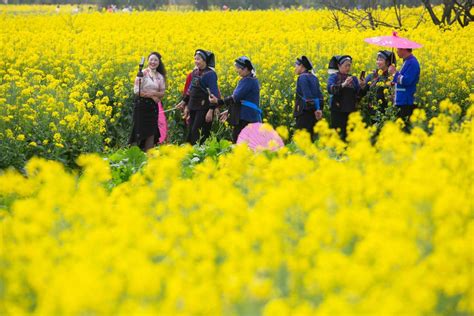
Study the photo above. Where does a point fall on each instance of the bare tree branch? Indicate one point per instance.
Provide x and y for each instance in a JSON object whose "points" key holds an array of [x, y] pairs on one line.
{"points": [[429, 8], [453, 10]]}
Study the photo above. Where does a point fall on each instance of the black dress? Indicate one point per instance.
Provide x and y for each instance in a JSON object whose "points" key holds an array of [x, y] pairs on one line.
{"points": [[343, 101], [145, 121]]}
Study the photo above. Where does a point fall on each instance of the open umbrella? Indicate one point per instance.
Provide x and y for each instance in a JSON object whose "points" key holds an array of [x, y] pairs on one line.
{"points": [[260, 136], [393, 41]]}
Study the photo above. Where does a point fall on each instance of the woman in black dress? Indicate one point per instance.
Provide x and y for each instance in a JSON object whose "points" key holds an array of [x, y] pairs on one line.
{"points": [[149, 91]]}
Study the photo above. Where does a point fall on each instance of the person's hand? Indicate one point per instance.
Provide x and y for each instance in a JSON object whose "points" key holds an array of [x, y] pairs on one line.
{"points": [[148, 94], [392, 70], [223, 117], [318, 114], [181, 105], [362, 83], [347, 82], [209, 115], [186, 113], [213, 99], [156, 99]]}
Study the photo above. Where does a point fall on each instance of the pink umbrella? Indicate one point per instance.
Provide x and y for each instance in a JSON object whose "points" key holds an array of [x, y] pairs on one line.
{"points": [[162, 123], [260, 136], [392, 41]]}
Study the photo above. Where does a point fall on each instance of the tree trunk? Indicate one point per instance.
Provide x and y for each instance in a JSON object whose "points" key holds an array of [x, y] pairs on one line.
{"points": [[398, 12], [447, 12], [433, 16]]}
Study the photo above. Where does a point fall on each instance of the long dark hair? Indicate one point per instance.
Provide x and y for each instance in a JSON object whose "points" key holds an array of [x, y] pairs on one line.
{"points": [[161, 67]]}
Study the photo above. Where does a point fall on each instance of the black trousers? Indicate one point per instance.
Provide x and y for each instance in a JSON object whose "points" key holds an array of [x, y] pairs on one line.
{"points": [[237, 129], [199, 129], [306, 121], [339, 121], [404, 112]]}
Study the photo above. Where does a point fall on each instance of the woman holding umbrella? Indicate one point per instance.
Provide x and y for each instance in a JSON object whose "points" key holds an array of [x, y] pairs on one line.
{"points": [[375, 84], [343, 89], [406, 79], [244, 102], [309, 99]]}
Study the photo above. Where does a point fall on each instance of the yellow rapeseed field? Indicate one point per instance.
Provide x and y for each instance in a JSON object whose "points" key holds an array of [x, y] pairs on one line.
{"points": [[382, 230], [322, 228], [66, 79]]}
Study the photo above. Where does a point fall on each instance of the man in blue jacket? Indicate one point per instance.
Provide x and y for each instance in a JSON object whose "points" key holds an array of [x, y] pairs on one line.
{"points": [[405, 82]]}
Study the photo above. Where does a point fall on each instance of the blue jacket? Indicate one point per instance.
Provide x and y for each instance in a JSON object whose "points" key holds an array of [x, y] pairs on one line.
{"points": [[208, 79], [307, 89], [197, 97], [405, 81], [248, 89]]}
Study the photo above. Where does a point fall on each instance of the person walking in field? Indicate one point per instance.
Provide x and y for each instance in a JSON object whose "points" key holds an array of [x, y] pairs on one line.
{"points": [[343, 90], [244, 102], [196, 101], [376, 84], [405, 82], [309, 98], [149, 91]]}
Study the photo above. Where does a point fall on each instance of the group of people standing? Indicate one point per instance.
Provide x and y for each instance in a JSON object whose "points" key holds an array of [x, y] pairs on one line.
{"points": [[202, 99]]}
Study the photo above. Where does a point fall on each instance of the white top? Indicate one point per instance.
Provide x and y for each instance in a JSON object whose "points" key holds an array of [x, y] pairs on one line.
{"points": [[150, 82]]}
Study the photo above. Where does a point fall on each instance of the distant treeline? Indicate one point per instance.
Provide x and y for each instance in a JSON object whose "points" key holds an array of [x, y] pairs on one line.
{"points": [[229, 4]]}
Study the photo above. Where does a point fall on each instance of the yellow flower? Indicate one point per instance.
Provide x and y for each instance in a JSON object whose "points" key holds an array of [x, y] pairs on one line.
{"points": [[266, 127], [57, 137], [9, 134], [379, 225], [282, 131]]}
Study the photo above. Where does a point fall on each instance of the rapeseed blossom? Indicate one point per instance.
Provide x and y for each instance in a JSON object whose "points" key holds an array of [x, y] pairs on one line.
{"points": [[73, 73], [327, 229]]}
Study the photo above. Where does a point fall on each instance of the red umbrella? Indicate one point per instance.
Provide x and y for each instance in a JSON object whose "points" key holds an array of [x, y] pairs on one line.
{"points": [[392, 41]]}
